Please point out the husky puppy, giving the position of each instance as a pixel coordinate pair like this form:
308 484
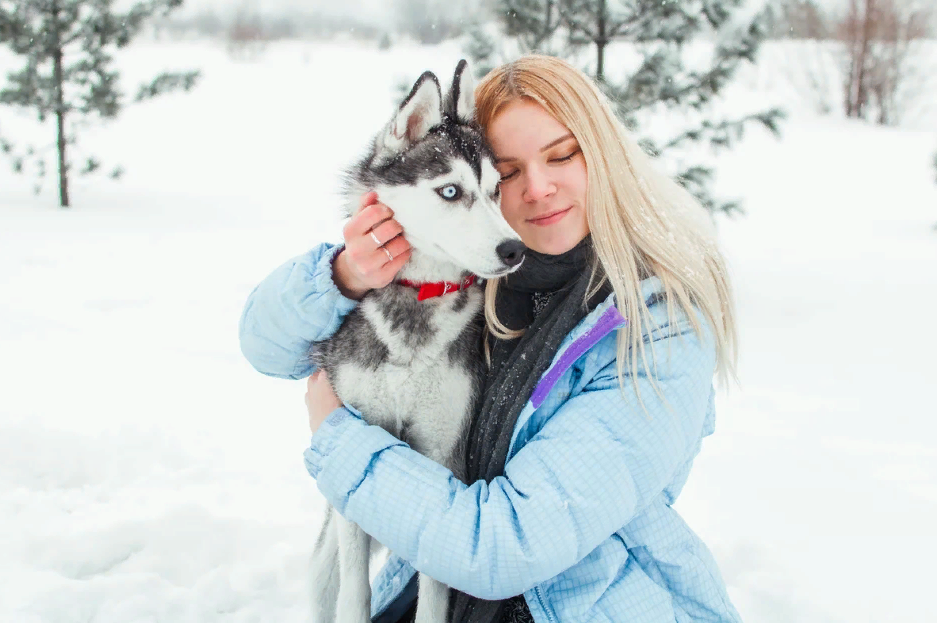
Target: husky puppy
408 356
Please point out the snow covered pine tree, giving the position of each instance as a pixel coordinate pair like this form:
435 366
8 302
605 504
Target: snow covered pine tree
66 47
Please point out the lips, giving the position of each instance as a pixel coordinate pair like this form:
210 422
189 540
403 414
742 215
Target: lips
549 216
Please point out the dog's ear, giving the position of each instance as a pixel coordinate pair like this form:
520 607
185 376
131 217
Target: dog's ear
419 112
460 101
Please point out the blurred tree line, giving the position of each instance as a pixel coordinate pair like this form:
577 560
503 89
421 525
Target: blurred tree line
882 47
67 47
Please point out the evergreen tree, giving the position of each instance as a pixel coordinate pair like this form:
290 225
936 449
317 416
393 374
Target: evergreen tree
661 84
532 24
66 47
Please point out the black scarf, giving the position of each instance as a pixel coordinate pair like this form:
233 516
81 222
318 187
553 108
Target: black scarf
547 297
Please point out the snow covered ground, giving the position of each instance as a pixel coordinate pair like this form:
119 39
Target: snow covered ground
147 473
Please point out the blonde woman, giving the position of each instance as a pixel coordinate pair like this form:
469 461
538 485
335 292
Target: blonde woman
602 351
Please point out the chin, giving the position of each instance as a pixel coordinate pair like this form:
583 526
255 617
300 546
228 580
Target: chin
553 246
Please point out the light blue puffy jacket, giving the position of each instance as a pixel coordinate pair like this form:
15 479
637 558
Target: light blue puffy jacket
581 522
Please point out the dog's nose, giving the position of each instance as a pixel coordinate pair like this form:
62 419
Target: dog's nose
511 252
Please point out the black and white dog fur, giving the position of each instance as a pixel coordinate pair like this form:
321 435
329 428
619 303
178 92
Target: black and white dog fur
414 367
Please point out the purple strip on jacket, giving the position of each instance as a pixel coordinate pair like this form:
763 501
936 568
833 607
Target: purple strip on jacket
608 322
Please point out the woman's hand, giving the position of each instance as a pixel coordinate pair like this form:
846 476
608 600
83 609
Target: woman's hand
375 250
320 399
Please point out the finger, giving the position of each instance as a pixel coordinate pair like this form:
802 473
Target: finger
382 256
371 263
386 231
397 246
390 269
367 199
366 219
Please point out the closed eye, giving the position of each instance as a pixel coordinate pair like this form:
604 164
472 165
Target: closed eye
561 160
567 158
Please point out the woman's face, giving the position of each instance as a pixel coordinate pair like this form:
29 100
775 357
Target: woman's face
543 177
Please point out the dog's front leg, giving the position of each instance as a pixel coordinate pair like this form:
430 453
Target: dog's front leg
354 594
432 602
324 567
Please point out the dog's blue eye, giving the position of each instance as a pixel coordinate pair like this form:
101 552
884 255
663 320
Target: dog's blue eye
449 192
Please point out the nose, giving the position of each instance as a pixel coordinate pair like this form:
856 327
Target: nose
539 185
511 252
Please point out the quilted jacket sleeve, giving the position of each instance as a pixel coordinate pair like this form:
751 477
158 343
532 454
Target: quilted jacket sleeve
297 304
592 467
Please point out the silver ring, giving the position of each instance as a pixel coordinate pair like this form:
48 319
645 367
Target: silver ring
374 238
390 257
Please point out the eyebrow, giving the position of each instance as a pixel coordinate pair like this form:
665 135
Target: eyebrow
542 149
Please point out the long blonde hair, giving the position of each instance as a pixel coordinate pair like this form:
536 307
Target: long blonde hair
643 223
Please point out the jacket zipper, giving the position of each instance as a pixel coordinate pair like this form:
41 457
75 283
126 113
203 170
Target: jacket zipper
543 605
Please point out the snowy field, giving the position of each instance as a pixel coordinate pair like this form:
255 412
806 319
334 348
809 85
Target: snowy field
147 473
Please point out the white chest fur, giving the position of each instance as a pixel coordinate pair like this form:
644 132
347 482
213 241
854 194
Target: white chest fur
419 391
